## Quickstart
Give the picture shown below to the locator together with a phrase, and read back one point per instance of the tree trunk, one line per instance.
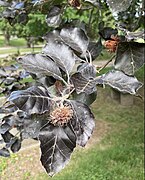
(28, 44)
(7, 37)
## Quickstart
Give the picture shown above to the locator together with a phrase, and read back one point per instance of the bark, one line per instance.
(7, 37)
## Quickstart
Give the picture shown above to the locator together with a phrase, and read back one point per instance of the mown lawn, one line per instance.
(119, 156)
(13, 42)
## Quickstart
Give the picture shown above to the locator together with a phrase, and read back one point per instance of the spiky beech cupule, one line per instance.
(60, 116)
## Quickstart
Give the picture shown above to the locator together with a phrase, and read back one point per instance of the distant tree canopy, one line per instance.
(33, 21)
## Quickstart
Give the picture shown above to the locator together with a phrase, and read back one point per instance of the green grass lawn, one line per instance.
(21, 50)
(119, 156)
(13, 42)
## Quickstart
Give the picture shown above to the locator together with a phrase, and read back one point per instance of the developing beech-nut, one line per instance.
(60, 116)
(75, 3)
(112, 44)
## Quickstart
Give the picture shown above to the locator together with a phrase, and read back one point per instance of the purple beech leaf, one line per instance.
(130, 57)
(87, 70)
(107, 32)
(84, 122)
(32, 100)
(4, 3)
(9, 80)
(84, 79)
(95, 49)
(53, 18)
(76, 38)
(12, 68)
(40, 65)
(29, 126)
(120, 81)
(94, 2)
(118, 6)
(3, 73)
(4, 152)
(87, 99)
(10, 120)
(83, 84)
(32, 125)
(53, 36)
(134, 35)
(4, 128)
(57, 144)
(61, 54)
(13, 87)
(8, 13)
(7, 136)
(2, 90)
(17, 5)
(16, 146)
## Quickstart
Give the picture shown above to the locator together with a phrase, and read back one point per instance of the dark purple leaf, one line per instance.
(13, 67)
(130, 57)
(23, 74)
(17, 5)
(10, 120)
(8, 13)
(84, 122)
(135, 35)
(2, 90)
(87, 70)
(22, 18)
(40, 65)
(32, 126)
(4, 3)
(3, 73)
(29, 126)
(53, 36)
(107, 32)
(82, 84)
(120, 81)
(33, 100)
(9, 80)
(16, 146)
(4, 152)
(95, 49)
(57, 144)
(94, 2)
(61, 54)
(14, 87)
(87, 99)
(46, 81)
(76, 38)
(4, 128)
(53, 18)
(119, 6)
(7, 137)
(83, 80)
(8, 108)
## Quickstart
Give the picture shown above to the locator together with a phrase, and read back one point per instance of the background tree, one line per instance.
(7, 30)
(33, 30)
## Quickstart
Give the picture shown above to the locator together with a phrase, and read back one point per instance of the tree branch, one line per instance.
(106, 64)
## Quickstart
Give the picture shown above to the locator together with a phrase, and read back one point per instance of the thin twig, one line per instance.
(90, 57)
(90, 18)
(106, 64)
(139, 96)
